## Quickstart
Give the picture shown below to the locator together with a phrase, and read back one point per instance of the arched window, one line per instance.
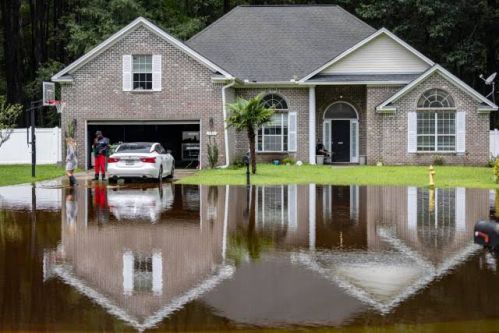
(436, 121)
(273, 136)
(340, 110)
(274, 101)
(436, 98)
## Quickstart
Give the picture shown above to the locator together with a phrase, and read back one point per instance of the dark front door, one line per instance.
(340, 140)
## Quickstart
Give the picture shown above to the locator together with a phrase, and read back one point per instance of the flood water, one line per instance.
(190, 258)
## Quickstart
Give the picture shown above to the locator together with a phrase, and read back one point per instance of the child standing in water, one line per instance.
(71, 160)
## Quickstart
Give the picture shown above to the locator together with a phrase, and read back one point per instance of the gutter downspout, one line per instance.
(226, 133)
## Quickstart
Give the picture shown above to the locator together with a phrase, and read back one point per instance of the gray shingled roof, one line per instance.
(276, 43)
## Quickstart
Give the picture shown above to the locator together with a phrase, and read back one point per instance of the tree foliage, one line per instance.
(249, 115)
(8, 117)
(38, 36)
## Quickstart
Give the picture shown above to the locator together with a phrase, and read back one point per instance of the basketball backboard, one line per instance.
(48, 93)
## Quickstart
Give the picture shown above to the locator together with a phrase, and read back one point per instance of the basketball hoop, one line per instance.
(59, 105)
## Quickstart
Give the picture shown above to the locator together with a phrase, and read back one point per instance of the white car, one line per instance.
(140, 203)
(140, 160)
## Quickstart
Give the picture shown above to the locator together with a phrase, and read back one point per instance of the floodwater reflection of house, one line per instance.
(361, 247)
(300, 250)
(141, 270)
(413, 237)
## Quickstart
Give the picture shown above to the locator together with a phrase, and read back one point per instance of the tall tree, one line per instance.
(249, 115)
(8, 116)
(12, 49)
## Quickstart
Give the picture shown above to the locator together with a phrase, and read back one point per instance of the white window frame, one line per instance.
(287, 197)
(436, 135)
(261, 132)
(134, 56)
(414, 212)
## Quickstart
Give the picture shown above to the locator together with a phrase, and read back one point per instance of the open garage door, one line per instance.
(181, 138)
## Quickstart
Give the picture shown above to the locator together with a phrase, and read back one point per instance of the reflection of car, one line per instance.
(141, 160)
(140, 203)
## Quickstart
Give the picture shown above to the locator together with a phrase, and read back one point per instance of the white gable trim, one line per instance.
(65, 274)
(138, 22)
(362, 43)
(385, 106)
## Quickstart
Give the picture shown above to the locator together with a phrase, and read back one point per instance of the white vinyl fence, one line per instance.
(48, 147)
(494, 143)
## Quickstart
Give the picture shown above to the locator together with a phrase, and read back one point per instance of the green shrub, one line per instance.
(438, 160)
(71, 129)
(238, 162)
(288, 160)
(212, 154)
(496, 171)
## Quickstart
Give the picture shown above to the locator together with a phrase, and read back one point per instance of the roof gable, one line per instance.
(487, 104)
(62, 76)
(67, 275)
(382, 55)
(279, 43)
(401, 58)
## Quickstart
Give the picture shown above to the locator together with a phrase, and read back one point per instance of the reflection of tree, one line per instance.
(247, 243)
(9, 229)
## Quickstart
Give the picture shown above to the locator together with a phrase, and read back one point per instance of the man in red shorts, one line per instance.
(101, 149)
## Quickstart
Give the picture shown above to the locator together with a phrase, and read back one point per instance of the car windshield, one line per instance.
(134, 148)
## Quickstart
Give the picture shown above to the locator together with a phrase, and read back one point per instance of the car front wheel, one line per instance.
(160, 175)
(172, 172)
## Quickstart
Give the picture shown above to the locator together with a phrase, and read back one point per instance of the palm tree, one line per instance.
(249, 115)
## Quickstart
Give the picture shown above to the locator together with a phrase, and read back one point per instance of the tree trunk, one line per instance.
(39, 32)
(11, 19)
(251, 138)
(226, 7)
(254, 247)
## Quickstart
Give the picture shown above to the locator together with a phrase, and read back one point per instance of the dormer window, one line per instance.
(142, 72)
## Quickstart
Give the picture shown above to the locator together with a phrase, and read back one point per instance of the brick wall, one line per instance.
(187, 91)
(297, 99)
(387, 134)
(376, 95)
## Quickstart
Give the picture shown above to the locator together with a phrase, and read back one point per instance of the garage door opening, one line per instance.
(182, 139)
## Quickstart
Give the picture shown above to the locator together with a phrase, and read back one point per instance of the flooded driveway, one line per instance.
(198, 258)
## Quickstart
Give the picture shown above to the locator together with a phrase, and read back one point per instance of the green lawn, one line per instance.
(18, 174)
(267, 174)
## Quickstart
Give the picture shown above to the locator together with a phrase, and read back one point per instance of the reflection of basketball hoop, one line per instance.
(59, 105)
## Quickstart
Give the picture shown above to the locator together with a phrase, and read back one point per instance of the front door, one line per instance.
(340, 140)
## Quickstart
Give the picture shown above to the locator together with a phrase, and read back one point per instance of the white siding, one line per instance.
(380, 55)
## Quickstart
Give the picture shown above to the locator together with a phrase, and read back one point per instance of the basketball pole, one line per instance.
(36, 105)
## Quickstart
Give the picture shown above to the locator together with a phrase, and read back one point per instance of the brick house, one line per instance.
(365, 94)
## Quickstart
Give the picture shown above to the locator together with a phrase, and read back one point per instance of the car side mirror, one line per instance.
(169, 151)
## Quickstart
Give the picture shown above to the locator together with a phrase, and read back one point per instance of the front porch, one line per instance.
(337, 124)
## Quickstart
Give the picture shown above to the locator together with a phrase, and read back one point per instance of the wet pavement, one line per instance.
(148, 257)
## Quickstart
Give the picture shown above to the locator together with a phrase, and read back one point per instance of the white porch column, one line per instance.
(311, 125)
(311, 216)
